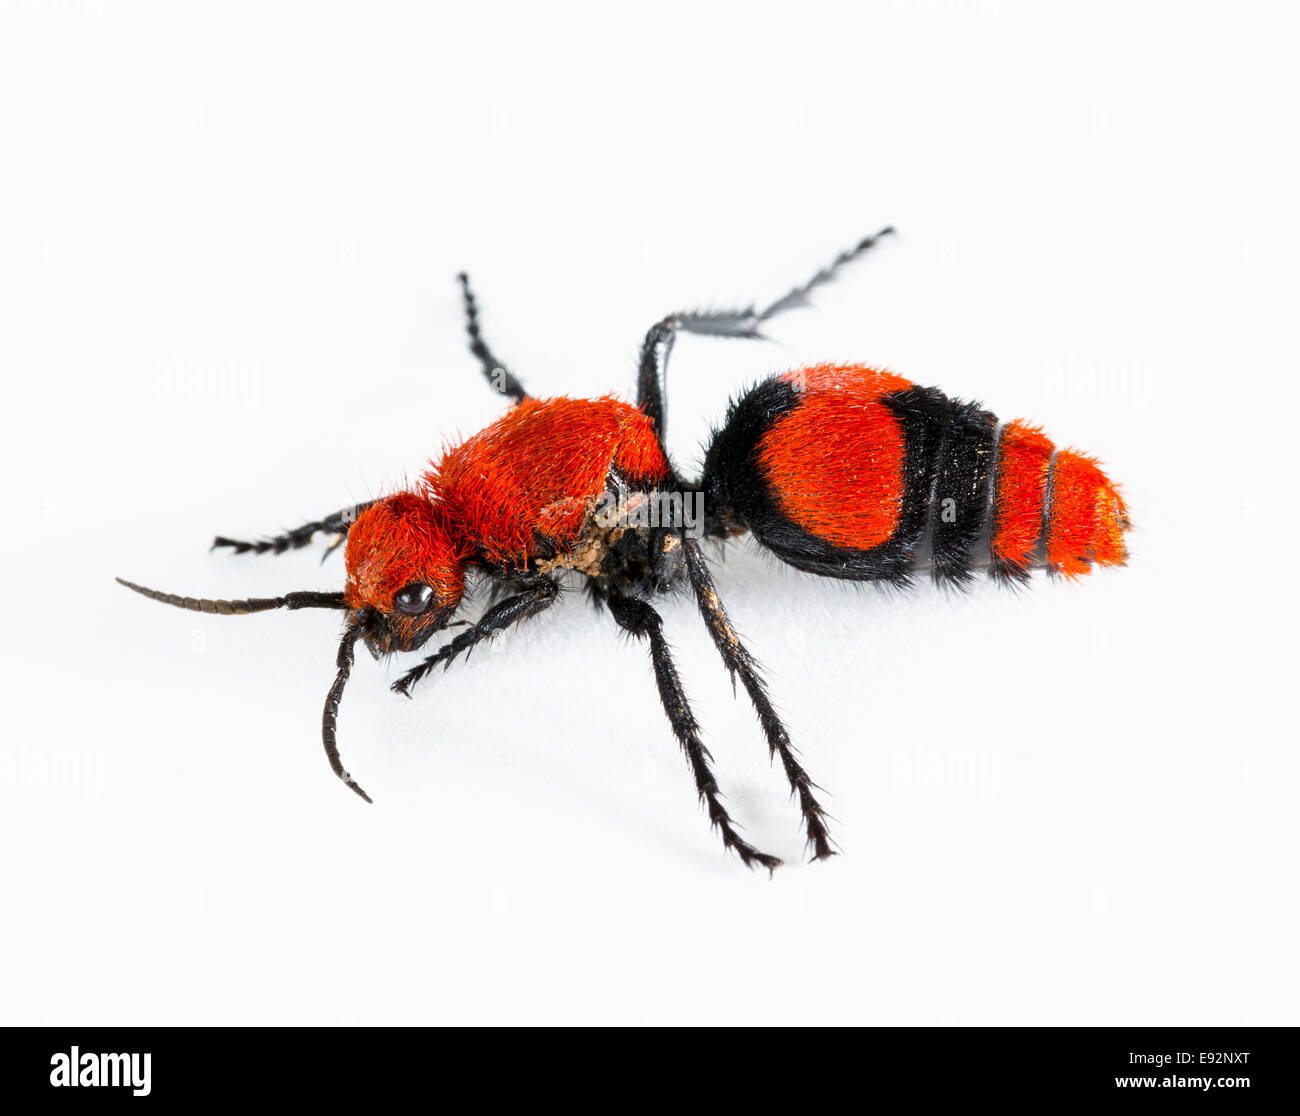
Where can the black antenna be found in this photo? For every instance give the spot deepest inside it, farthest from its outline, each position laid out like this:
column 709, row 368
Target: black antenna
column 330, row 718
column 239, row 608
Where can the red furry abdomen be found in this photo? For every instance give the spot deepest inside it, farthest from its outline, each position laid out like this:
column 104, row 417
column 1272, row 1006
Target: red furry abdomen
column 1024, row 459
column 1059, row 500
column 536, row 470
column 1088, row 517
column 834, row 464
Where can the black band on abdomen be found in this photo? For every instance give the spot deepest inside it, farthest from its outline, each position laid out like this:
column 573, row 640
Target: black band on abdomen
column 961, row 492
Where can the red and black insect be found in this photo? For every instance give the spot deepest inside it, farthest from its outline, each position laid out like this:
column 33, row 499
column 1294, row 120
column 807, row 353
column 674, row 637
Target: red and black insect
column 841, row 470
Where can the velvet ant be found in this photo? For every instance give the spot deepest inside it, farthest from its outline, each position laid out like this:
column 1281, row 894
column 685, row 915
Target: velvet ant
column 842, row 470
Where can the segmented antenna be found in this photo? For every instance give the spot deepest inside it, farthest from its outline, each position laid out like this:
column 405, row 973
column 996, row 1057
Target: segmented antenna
column 330, row 718
column 238, row 608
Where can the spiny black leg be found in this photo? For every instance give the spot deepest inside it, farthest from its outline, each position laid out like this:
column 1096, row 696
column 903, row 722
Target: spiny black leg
column 740, row 662
column 498, row 376
column 512, row 609
column 641, row 620
column 799, row 296
column 722, row 323
column 337, row 523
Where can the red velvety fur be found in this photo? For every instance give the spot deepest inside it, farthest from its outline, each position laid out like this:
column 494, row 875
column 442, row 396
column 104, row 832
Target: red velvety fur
column 398, row 541
column 835, row 462
column 536, row 470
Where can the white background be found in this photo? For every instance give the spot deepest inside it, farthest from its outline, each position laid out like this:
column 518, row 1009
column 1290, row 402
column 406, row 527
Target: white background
column 227, row 250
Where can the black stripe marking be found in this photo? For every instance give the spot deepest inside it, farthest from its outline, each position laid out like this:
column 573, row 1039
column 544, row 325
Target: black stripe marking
column 925, row 415
column 961, row 491
column 735, row 488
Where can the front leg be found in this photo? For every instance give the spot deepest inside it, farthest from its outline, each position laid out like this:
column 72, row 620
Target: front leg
column 338, row 523
column 519, row 607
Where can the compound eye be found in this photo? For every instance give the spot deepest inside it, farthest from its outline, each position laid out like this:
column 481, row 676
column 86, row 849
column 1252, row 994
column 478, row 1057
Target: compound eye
column 414, row 598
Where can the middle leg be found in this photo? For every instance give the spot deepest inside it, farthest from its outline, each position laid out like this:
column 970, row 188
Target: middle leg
column 498, row 376
column 740, row 662
column 639, row 619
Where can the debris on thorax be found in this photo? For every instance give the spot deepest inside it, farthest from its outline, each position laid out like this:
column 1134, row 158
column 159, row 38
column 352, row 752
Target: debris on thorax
column 605, row 523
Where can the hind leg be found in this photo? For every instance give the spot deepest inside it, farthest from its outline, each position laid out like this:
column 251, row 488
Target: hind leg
column 740, row 662
column 659, row 340
column 639, row 619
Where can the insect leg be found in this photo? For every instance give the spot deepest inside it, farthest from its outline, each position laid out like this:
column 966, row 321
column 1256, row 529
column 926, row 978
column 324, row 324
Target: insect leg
column 740, row 662
column 338, row 523
column 499, row 378
column 513, row 609
column 659, row 340
column 641, row 620
column 797, row 297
